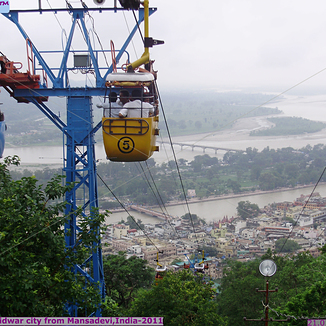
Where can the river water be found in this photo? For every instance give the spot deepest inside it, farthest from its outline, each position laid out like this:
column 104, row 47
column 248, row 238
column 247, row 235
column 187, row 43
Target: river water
column 215, row 210
column 310, row 107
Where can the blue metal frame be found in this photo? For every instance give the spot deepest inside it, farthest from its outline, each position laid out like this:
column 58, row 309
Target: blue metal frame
column 79, row 131
column 194, row 261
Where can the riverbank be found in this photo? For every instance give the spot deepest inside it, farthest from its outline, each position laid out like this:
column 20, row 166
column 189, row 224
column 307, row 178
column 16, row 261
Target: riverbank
column 217, row 208
column 224, row 197
column 229, row 196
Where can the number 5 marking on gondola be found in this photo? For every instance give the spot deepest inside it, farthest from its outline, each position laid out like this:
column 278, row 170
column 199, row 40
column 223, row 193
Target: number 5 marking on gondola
column 126, row 145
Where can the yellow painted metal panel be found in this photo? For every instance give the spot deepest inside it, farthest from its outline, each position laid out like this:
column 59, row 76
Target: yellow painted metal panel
column 129, row 139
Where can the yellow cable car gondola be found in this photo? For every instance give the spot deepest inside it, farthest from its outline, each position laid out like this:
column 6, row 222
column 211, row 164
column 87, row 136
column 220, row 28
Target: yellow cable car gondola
column 131, row 138
column 201, row 266
column 160, row 270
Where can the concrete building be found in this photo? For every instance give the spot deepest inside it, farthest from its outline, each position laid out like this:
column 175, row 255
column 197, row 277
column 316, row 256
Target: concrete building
column 191, row 193
column 265, row 245
column 218, row 232
column 120, row 230
column 198, row 236
column 135, row 250
column 249, row 233
column 121, row 245
column 150, row 252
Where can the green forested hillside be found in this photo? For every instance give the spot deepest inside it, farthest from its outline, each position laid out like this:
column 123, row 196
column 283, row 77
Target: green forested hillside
column 237, row 173
column 35, row 280
column 290, row 126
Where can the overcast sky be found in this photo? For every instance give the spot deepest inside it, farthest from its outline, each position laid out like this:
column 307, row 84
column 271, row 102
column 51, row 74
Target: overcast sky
column 268, row 45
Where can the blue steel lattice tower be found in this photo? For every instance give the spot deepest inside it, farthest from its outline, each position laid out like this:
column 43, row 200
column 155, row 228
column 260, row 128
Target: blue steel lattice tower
column 79, row 128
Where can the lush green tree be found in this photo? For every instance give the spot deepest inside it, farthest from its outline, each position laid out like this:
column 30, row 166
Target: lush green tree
column 323, row 249
column 289, row 277
column 246, row 209
column 36, row 277
column 251, row 153
column 205, row 160
column 211, row 251
column 133, row 224
column 198, row 124
column 172, row 165
column 289, row 219
column 168, row 186
column 151, row 163
column 193, row 218
column 125, row 276
column 307, row 305
column 197, row 166
column 234, row 185
column 301, row 289
column 291, row 170
column 270, row 180
column 290, row 126
column 181, row 299
column 182, row 162
column 238, row 297
column 286, row 245
column 146, row 198
column 177, row 260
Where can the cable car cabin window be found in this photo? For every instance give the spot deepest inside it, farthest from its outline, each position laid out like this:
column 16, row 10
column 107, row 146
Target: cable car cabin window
column 125, row 126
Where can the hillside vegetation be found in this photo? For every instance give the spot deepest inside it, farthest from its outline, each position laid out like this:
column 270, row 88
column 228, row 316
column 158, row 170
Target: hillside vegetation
column 290, row 126
column 237, row 173
column 185, row 114
column 35, row 280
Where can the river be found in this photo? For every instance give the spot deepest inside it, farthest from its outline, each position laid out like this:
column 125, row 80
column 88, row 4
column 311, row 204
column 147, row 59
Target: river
column 215, row 210
column 310, row 107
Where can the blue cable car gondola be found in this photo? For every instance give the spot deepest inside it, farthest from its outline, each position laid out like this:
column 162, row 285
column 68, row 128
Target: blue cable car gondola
column 196, row 264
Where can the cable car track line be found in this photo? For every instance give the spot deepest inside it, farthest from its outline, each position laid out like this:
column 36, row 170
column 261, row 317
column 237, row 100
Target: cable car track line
column 149, row 171
column 259, row 106
column 166, row 215
column 303, row 208
column 150, row 186
column 176, row 162
column 123, row 206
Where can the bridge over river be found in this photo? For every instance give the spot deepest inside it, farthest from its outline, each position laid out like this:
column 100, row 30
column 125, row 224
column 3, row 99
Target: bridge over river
column 204, row 147
column 150, row 212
